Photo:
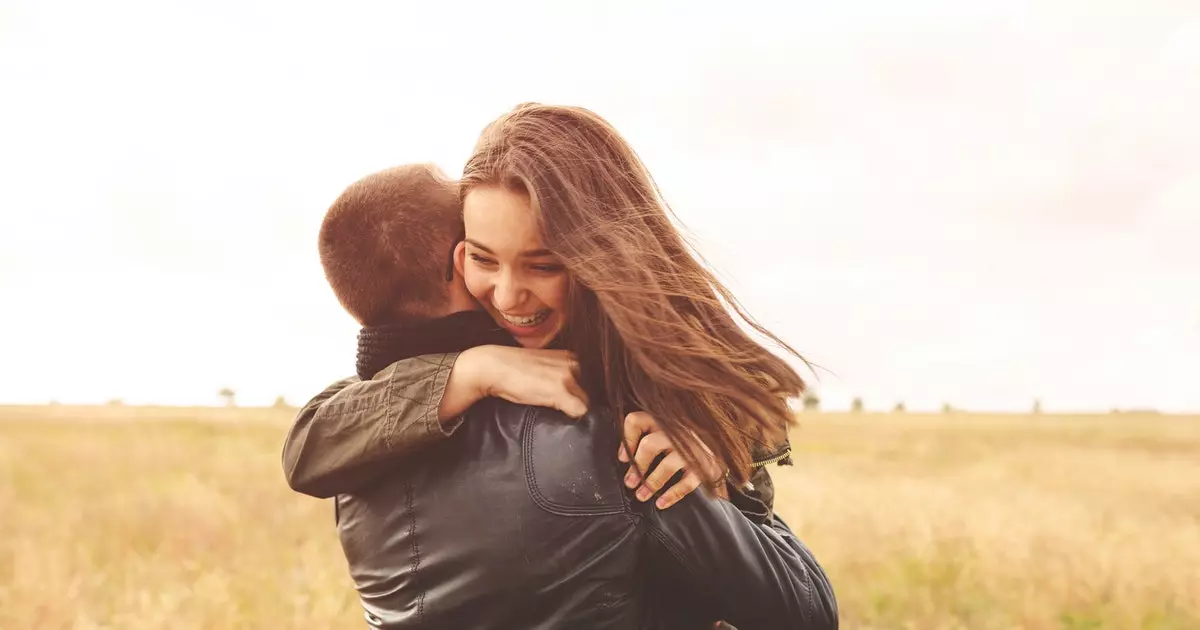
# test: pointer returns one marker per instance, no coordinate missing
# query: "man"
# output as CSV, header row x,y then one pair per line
x,y
507,515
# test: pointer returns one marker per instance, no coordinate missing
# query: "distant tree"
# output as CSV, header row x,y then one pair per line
x,y
281,403
947,408
115,402
1037,405
899,408
812,402
857,405
229,396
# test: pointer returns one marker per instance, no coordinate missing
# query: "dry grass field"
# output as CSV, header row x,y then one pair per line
x,y
159,518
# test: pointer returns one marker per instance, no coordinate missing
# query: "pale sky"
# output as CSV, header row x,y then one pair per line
x,y
976,202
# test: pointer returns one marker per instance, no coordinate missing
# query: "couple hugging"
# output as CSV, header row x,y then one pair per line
x,y
545,377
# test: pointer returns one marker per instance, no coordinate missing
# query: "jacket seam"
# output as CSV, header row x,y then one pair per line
x,y
438,383
416,547
665,541
634,518
810,581
393,414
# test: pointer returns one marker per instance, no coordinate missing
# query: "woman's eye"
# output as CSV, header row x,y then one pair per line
x,y
547,268
480,260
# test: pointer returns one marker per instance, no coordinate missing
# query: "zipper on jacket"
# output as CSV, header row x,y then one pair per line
x,y
759,463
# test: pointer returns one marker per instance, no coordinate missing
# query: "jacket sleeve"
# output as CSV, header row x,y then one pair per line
x,y
354,430
752,575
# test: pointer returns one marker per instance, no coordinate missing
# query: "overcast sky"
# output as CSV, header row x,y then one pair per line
x,y
974,202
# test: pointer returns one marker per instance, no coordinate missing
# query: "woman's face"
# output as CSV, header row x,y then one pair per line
x,y
508,269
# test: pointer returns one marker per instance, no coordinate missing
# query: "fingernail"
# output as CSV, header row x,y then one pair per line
x,y
631,479
661,503
621,456
643,493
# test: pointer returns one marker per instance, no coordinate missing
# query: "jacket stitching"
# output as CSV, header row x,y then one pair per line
x,y
429,416
634,518
536,493
416,547
392,415
809,583
666,542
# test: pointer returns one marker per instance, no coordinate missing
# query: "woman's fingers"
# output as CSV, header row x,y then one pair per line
x,y
642,437
562,372
636,425
681,489
574,388
543,378
661,474
651,446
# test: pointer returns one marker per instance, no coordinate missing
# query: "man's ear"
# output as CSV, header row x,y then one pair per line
x,y
460,257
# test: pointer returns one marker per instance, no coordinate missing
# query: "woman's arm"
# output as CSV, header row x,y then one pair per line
x,y
354,430
751,575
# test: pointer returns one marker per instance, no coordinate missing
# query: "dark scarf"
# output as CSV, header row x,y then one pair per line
x,y
381,346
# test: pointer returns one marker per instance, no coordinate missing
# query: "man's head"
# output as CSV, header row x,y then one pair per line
x,y
385,246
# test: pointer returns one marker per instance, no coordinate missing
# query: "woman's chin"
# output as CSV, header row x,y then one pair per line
x,y
534,344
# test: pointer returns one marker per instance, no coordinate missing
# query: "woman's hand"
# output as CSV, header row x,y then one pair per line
x,y
542,378
647,441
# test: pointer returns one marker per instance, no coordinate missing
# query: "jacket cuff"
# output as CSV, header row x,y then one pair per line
x,y
437,392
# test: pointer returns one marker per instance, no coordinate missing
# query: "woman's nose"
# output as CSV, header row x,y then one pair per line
x,y
508,294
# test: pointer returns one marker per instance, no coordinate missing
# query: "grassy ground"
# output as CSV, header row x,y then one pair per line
x,y
127,518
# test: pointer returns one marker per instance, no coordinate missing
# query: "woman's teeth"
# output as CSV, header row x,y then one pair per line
x,y
525,322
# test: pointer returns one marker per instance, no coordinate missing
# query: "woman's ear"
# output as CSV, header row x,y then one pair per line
x,y
460,257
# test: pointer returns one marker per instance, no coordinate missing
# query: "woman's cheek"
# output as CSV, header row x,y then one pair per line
x,y
556,296
476,281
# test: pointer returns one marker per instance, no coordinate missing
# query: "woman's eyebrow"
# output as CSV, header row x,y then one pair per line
x,y
532,253
480,245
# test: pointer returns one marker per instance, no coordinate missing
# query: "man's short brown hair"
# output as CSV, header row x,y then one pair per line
x,y
385,244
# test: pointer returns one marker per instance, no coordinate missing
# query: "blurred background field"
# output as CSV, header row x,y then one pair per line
x,y
126,517
989,203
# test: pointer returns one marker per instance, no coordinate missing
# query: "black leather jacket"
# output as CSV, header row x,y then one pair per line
x,y
520,520
516,517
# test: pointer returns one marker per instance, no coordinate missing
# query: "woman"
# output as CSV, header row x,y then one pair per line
x,y
569,244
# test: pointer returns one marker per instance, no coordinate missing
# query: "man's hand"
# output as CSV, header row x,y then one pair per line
x,y
543,378
647,441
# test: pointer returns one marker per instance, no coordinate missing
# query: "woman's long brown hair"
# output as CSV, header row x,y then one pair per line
x,y
645,317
